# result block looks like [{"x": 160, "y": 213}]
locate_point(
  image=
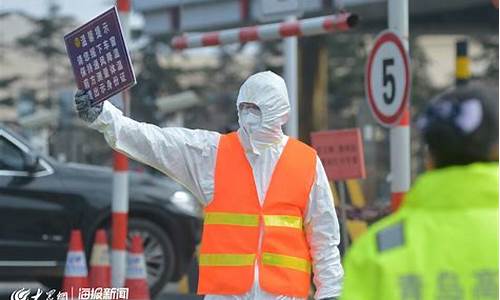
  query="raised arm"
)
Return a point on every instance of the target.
[
  {"x": 187, "y": 156},
  {"x": 322, "y": 233}
]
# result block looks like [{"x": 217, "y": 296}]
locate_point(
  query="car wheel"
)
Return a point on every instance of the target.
[{"x": 159, "y": 252}]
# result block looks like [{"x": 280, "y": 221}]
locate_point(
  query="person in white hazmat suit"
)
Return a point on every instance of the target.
[{"x": 189, "y": 156}]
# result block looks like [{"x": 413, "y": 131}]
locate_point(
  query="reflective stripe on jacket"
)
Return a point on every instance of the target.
[{"x": 233, "y": 221}]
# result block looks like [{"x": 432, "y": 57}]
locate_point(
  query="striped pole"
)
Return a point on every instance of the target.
[
  {"x": 400, "y": 160},
  {"x": 400, "y": 134},
  {"x": 305, "y": 27},
  {"x": 119, "y": 219},
  {"x": 462, "y": 63},
  {"x": 119, "y": 204}
]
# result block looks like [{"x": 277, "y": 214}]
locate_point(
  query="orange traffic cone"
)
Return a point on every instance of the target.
[
  {"x": 136, "y": 278},
  {"x": 100, "y": 270},
  {"x": 75, "y": 272}
]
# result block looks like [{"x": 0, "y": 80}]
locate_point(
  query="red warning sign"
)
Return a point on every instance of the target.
[{"x": 341, "y": 152}]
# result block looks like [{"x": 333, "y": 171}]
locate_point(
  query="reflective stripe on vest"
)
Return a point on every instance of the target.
[
  {"x": 286, "y": 261},
  {"x": 239, "y": 260},
  {"x": 283, "y": 221},
  {"x": 217, "y": 218},
  {"x": 227, "y": 260}
]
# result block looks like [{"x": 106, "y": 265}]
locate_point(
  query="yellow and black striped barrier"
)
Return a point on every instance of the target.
[{"x": 462, "y": 70}]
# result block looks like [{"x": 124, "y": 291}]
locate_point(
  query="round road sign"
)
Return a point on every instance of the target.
[{"x": 387, "y": 78}]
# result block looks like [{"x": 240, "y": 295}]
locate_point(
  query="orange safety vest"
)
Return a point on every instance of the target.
[{"x": 234, "y": 220}]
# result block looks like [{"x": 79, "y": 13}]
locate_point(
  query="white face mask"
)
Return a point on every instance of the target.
[{"x": 250, "y": 119}]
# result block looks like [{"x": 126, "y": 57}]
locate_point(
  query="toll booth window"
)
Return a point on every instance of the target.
[{"x": 11, "y": 157}]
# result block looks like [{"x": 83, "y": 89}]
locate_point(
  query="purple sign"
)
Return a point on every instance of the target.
[{"x": 99, "y": 57}]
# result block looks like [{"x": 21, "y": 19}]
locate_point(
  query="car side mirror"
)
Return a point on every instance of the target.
[{"x": 31, "y": 162}]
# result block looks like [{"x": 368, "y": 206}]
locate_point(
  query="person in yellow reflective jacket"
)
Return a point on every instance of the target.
[{"x": 443, "y": 242}]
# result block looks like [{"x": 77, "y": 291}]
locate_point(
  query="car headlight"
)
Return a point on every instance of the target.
[{"x": 186, "y": 203}]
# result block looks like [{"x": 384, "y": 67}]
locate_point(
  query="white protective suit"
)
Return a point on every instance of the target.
[{"x": 189, "y": 156}]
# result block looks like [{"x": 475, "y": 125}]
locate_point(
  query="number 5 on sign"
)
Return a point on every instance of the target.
[{"x": 387, "y": 78}]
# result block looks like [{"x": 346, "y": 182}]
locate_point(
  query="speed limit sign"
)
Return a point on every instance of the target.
[{"x": 387, "y": 78}]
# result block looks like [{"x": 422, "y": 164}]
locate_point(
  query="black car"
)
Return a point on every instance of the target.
[{"x": 41, "y": 200}]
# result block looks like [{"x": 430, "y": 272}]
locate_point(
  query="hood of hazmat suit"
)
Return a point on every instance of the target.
[{"x": 262, "y": 128}]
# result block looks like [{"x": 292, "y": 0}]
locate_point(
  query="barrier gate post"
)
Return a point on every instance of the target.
[
  {"x": 119, "y": 204},
  {"x": 400, "y": 134}
]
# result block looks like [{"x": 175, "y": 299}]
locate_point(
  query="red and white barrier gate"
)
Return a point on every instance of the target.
[{"x": 305, "y": 27}]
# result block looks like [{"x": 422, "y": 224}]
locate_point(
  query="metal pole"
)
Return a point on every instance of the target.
[
  {"x": 400, "y": 134},
  {"x": 343, "y": 216},
  {"x": 119, "y": 204},
  {"x": 290, "y": 70}
]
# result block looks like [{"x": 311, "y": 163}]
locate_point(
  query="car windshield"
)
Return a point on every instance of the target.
[{"x": 23, "y": 140}]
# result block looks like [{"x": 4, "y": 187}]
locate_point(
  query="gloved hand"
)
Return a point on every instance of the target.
[{"x": 86, "y": 111}]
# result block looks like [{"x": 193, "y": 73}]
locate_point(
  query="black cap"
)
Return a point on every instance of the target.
[{"x": 460, "y": 126}]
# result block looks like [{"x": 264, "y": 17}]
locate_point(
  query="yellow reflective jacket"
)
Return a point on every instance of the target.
[{"x": 442, "y": 243}]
